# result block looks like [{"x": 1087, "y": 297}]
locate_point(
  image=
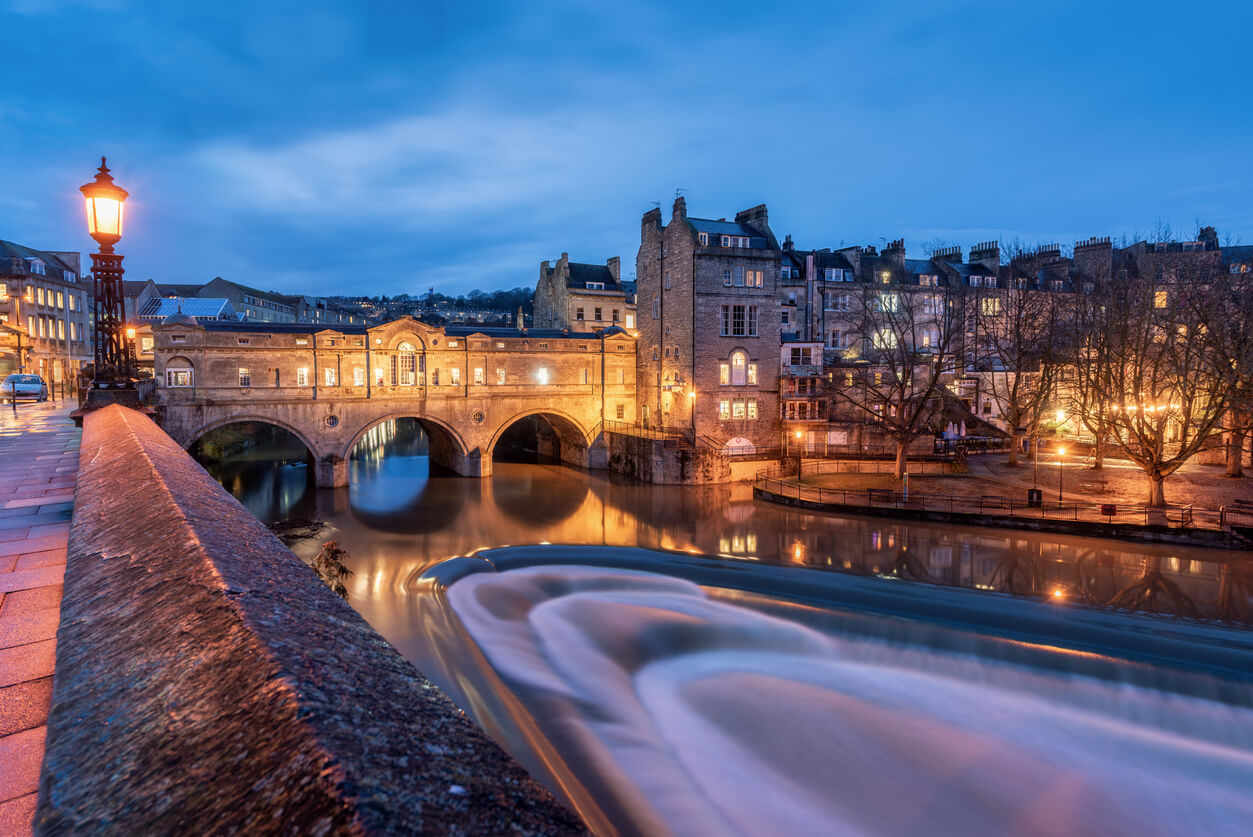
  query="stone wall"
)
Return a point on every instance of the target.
[{"x": 206, "y": 681}]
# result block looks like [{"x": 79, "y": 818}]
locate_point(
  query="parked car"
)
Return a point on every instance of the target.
[{"x": 23, "y": 386}]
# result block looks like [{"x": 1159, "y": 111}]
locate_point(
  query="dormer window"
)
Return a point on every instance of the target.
[
  {"x": 726, "y": 241},
  {"x": 928, "y": 280},
  {"x": 37, "y": 266},
  {"x": 785, "y": 272},
  {"x": 595, "y": 286},
  {"x": 704, "y": 238},
  {"x": 976, "y": 281}
]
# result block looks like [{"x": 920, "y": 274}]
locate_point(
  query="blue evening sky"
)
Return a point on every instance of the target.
[{"x": 380, "y": 147}]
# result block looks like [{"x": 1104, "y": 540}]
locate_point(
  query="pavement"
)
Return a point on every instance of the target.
[{"x": 38, "y": 467}]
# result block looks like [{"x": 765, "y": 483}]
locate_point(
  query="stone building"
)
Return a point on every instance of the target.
[
  {"x": 45, "y": 309},
  {"x": 709, "y": 327},
  {"x": 583, "y": 297}
]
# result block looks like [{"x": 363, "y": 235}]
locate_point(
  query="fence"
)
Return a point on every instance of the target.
[
  {"x": 639, "y": 430},
  {"x": 881, "y": 498}
]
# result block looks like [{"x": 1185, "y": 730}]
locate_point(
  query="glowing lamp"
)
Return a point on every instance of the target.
[
  {"x": 130, "y": 334},
  {"x": 1061, "y": 451},
  {"x": 798, "y": 434},
  {"x": 104, "y": 208}
]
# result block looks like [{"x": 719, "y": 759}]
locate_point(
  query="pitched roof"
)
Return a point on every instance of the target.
[
  {"x": 581, "y": 274},
  {"x": 194, "y": 307},
  {"x": 11, "y": 250}
]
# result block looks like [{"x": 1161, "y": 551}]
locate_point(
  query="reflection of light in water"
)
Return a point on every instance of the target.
[{"x": 708, "y": 718}]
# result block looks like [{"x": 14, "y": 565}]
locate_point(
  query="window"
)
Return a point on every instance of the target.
[
  {"x": 726, "y": 277},
  {"x": 752, "y": 408},
  {"x": 630, "y": 320},
  {"x": 500, "y": 376},
  {"x": 656, "y": 307},
  {"x": 452, "y": 344},
  {"x": 302, "y": 341},
  {"x": 726, "y": 241},
  {"x": 704, "y": 240},
  {"x": 454, "y": 376},
  {"x": 60, "y": 300},
  {"x": 479, "y": 378},
  {"x": 785, "y": 317},
  {"x": 976, "y": 281},
  {"x": 885, "y": 277},
  {"x": 738, "y": 409},
  {"x": 888, "y": 302},
  {"x": 739, "y": 368},
  {"x": 752, "y": 374},
  {"x": 621, "y": 376},
  {"x": 1056, "y": 284},
  {"x": 329, "y": 376},
  {"x": 41, "y": 296},
  {"x": 358, "y": 376},
  {"x": 619, "y": 411},
  {"x": 928, "y": 280},
  {"x": 838, "y": 302},
  {"x": 884, "y": 338},
  {"x": 584, "y": 376},
  {"x": 178, "y": 377},
  {"x": 738, "y": 327},
  {"x": 755, "y": 279},
  {"x": 60, "y": 329},
  {"x": 752, "y": 321},
  {"x": 785, "y": 272},
  {"x": 598, "y": 316},
  {"x": 302, "y": 376},
  {"x": 1159, "y": 299},
  {"x": 614, "y": 315},
  {"x": 541, "y": 375},
  {"x": 724, "y": 408},
  {"x": 802, "y": 356},
  {"x": 833, "y": 274},
  {"x": 178, "y": 338},
  {"x": 244, "y": 341},
  {"x": 578, "y": 314},
  {"x": 724, "y": 374},
  {"x": 245, "y": 378},
  {"x": 434, "y": 377},
  {"x": 71, "y": 299},
  {"x": 4, "y": 290},
  {"x": 145, "y": 342},
  {"x": 406, "y": 372},
  {"x": 990, "y": 306},
  {"x": 665, "y": 282}
]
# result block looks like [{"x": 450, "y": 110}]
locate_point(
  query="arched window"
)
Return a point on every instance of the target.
[
  {"x": 404, "y": 366},
  {"x": 739, "y": 368},
  {"x": 179, "y": 372}
]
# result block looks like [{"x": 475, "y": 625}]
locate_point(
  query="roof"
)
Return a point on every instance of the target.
[
  {"x": 132, "y": 288},
  {"x": 194, "y": 307},
  {"x": 723, "y": 228},
  {"x": 1239, "y": 254},
  {"x": 11, "y": 250},
  {"x": 581, "y": 274},
  {"x": 255, "y": 327},
  {"x": 291, "y": 300}
]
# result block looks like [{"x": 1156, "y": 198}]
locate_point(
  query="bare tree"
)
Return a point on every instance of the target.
[
  {"x": 903, "y": 354},
  {"x": 1146, "y": 365},
  {"x": 1018, "y": 337}
]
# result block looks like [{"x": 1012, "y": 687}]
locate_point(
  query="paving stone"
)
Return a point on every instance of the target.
[
  {"x": 43, "y": 558},
  {"x": 26, "y": 545},
  {"x": 7, "y": 563},
  {"x": 31, "y": 601},
  {"x": 25, "y": 705},
  {"x": 29, "y": 579},
  {"x": 27, "y": 662},
  {"x": 17, "y": 816},
  {"x": 25, "y": 628},
  {"x": 21, "y": 754}
]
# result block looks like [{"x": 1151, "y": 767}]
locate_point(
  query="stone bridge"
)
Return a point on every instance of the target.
[{"x": 329, "y": 387}]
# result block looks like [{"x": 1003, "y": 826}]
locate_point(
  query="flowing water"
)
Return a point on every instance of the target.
[{"x": 775, "y": 687}]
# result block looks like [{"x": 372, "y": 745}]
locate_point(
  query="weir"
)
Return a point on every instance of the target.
[{"x": 206, "y": 680}]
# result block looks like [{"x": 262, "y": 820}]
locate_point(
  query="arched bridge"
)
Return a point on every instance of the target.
[{"x": 330, "y": 386}]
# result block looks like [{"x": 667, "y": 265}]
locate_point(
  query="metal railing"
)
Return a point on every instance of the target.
[
  {"x": 639, "y": 430},
  {"x": 1177, "y": 517}
]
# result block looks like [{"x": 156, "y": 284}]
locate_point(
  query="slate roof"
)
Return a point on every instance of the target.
[
  {"x": 1239, "y": 254},
  {"x": 755, "y": 239},
  {"x": 581, "y": 274},
  {"x": 11, "y": 250}
]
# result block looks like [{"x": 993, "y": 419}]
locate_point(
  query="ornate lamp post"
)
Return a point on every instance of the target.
[
  {"x": 115, "y": 363},
  {"x": 114, "y": 378}
]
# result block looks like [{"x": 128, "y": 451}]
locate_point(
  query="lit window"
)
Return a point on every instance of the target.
[
  {"x": 884, "y": 338},
  {"x": 541, "y": 375},
  {"x": 752, "y": 408},
  {"x": 500, "y": 376},
  {"x": 990, "y": 306},
  {"x": 358, "y": 376},
  {"x": 302, "y": 341},
  {"x": 178, "y": 377},
  {"x": 405, "y": 373},
  {"x": 41, "y": 296},
  {"x": 739, "y": 368},
  {"x": 755, "y": 279},
  {"x": 630, "y": 320},
  {"x": 738, "y": 409},
  {"x": 245, "y": 378},
  {"x": 1159, "y": 299},
  {"x": 888, "y": 303},
  {"x": 60, "y": 329},
  {"x": 60, "y": 300},
  {"x": 329, "y": 376},
  {"x": 752, "y": 374},
  {"x": 724, "y": 408},
  {"x": 478, "y": 376},
  {"x": 724, "y": 374},
  {"x": 620, "y": 412},
  {"x": 454, "y": 376},
  {"x": 302, "y": 376}
]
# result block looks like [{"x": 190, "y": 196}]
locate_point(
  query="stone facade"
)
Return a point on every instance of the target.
[
  {"x": 583, "y": 297},
  {"x": 329, "y": 386},
  {"x": 709, "y": 327},
  {"x": 45, "y": 308}
]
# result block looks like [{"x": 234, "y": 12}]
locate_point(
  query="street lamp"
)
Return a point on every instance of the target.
[
  {"x": 114, "y": 360},
  {"x": 1060, "y": 453}
]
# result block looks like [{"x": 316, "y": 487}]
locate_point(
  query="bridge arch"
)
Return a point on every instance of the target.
[
  {"x": 575, "y": 441},
  {"x": 243, "y": 418},
  {"x": 447, "y": 446}
]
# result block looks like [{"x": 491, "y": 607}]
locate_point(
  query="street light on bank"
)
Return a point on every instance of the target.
[
  {"x": 1060, "y": 453},
  {"x": 113, "y": 380}
]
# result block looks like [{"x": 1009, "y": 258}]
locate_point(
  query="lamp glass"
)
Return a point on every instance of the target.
[{"x": 104, "y": 216}]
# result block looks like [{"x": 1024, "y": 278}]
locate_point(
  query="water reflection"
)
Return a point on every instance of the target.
[{"x": 399, "y": 517}]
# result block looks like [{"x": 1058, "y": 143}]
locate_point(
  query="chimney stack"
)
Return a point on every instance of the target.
[{"x": 615, "y": 268}]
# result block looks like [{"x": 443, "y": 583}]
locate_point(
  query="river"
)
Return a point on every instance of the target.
[{"x": 761, "y": 660}]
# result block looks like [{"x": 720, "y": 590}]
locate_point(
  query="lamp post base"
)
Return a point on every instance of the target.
[{"x": 126, "y": 396}]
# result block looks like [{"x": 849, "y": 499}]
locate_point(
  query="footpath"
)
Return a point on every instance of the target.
[{"x": 38, "y": 467}]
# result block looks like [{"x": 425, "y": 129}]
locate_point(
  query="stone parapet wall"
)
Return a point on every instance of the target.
[{"x": 206, "y": 681}]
